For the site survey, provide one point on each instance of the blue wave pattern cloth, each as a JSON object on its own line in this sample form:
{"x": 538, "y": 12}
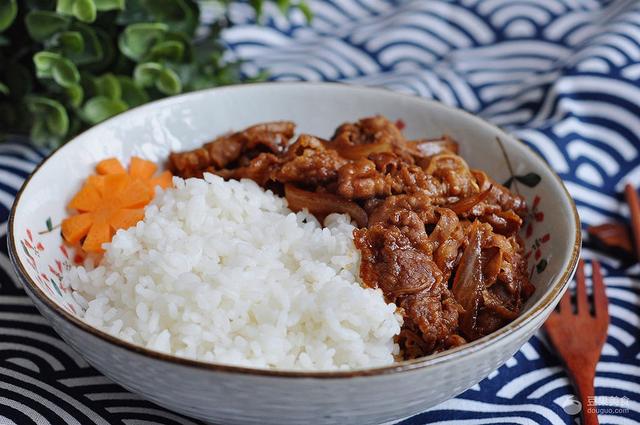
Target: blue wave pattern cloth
{"x": 562, "y": 75}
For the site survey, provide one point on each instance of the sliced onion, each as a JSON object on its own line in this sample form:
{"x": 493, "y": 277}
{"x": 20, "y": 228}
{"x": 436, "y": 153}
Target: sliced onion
{"x": 467, "y": 203}
{"x": 491, "y": 264}
{"x": 448, "y": 161}
{"x": 323, "y": 204}
{"x": 468, "y": 282}
{"x": 363, "y": 151}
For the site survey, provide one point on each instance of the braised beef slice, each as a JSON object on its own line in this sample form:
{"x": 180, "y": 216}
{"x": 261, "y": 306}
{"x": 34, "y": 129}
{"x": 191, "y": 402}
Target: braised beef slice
{"x": 384, "y": 175}
{"x": 438, "y": 238}
{"x": 260, "y": 169}
{"x": 412, "y": 268}
{"x": 218, "y": 154}
{"x": 308, "y": 163}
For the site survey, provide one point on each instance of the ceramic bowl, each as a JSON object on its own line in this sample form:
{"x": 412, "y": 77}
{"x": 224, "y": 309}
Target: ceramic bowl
{"x": 226, "y": 394}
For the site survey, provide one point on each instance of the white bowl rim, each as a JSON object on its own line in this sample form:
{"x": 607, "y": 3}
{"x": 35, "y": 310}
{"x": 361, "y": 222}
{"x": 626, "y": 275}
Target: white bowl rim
{"x": 555, "y": 290}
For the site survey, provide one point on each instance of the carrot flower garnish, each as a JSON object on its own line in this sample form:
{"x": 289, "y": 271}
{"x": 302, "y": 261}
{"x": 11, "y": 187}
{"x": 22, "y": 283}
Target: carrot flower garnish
{"x": 111, "y": 200}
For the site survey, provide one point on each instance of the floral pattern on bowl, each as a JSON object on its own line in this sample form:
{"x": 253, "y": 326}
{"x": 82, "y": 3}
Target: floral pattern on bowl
{"x": 48, "y": 257}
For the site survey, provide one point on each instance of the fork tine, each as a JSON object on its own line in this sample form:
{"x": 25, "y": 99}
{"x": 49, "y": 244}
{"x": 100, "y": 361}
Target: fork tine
{"x": 600, "y": 302}
{"x": 581, "y": 290}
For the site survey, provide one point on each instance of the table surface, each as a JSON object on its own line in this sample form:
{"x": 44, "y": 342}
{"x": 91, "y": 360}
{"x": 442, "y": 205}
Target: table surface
{"x": 562, "y": 75}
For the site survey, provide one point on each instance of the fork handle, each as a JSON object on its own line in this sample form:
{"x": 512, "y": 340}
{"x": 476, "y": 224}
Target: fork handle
{"x": 583, "y": 380}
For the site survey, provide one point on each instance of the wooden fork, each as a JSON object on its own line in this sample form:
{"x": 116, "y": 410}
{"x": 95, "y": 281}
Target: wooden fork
{"x": 578, "y": 337}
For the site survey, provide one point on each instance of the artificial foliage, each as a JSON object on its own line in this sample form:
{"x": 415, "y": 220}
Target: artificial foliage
{"x": 68, "y": 64}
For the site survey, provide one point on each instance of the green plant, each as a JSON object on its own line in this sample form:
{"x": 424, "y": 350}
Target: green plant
{"x": 68, "y": 64}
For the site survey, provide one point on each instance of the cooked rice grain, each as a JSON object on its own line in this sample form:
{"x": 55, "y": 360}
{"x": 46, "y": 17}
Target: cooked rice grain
{"x": 224, "y": 272}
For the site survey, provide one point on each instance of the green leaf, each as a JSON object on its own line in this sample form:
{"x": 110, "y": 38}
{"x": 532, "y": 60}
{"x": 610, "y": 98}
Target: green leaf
{"x": 530, "y": 179}
{"x": 84, "y": 10}
{"x": 179, "y": 15}
{"x": 185, "y": 40}
{"x": 44, "y": 62}
{"x": 306, "y": 11}
{"x": 108, "y": 52}
{"x": 65, "y": 73}
{"x": 133, "y": 13}
{"x": 3, "y": 88}
{"x": 42, "y": 24}
{"x": 168, "y": 82}
{"x": 137, "y": 39}
{"x": 65, "y": 7}
{"x": 49, "y": 224}
{"x": 508, "y": 183}
{"x": 57, "y": 122}
{"x": 100, "y": 108}
{"x": 51, "y": 113}
{"x": 132, "y": 95}
{"x": 62, "y": 70}
{"x": 8, "y": 12}
{"x": 146, "y": 74}
{"x": 104, "y": 5}
{"x": 284, "y": 6}
{"x": 71, "y": 42}
{"x": 171, "y": 51}
{"x": 75, "y": 94}
{"x": 541, "y": 266}
{"x": 166, "y": 10}
{"x": 39, "y": 133}
{"x": 258, "y": 5}
{"x": 108, "y": 86}
{"x": 93, "y": 51}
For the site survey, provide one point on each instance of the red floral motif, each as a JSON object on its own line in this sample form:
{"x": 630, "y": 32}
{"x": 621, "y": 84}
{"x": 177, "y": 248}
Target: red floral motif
{"x": 536, "y": 248}
{"x": 51, "y": 281}
{"x": 533, "y": 216}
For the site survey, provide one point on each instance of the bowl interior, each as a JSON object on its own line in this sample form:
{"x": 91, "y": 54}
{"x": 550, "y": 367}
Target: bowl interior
{"x": 551, "y": 232}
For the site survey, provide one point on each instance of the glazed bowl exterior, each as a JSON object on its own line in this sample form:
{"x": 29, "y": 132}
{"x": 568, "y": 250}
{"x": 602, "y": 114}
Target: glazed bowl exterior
{"x": 227, "y": 394}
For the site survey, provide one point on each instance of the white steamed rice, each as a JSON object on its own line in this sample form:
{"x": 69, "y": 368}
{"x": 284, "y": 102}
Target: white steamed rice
{"x": 224, "y": 272}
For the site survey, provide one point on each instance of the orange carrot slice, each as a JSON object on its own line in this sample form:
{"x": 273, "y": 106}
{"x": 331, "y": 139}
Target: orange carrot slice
{"x": 97, "y": 182}
{"x": 110, "y": 166}
{"x": 112, "y": 200}
{"x": 123, "y": 219}
{"x": 141, "y": 168}
{"x": 88, "y": 199}
{"x": 136, "y": 195}
{"x": 100, "y": 233}
{"x": 164, "y": 180}
{"x": 76, "y": 227}
{"x": 114, "y": 184}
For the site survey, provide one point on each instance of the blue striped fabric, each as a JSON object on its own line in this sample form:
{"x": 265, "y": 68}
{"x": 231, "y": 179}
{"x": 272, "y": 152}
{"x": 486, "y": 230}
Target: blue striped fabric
{"x": 562, "y": 75}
